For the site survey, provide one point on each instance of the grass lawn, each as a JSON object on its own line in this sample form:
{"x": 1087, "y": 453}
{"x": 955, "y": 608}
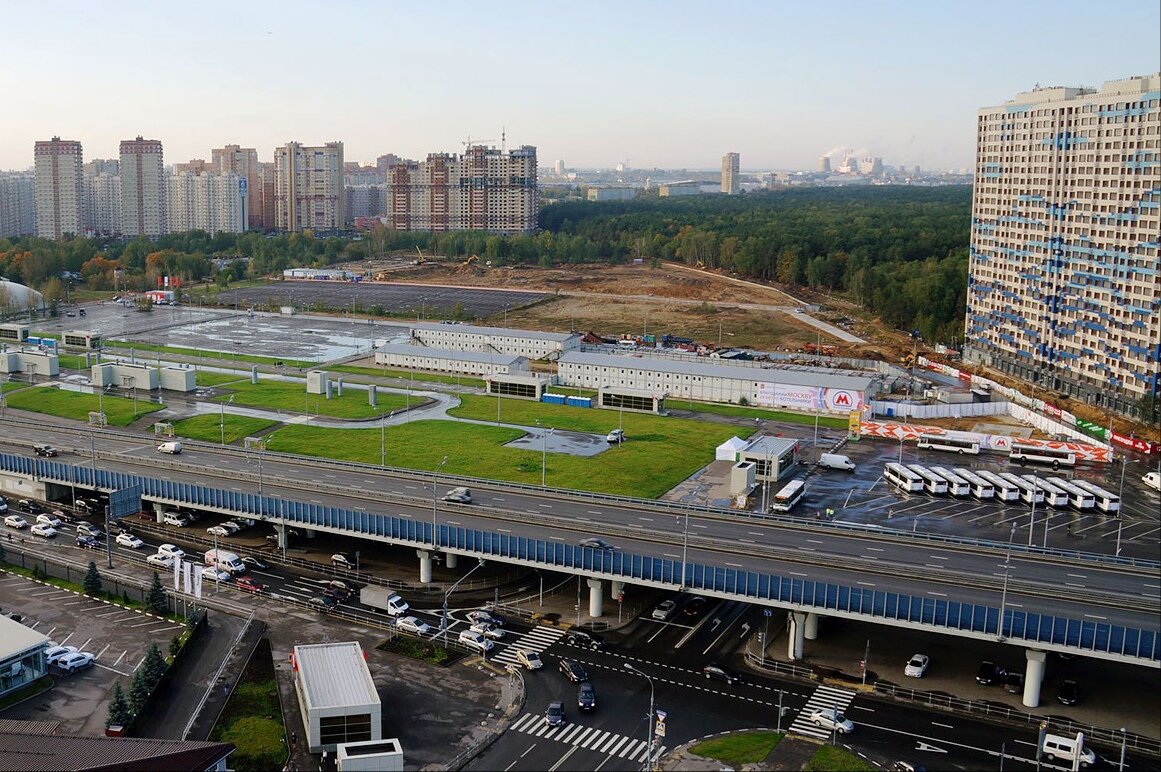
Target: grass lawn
{"x": 291, "y": 397}
{"x": 8, "y": 386}
{"x": 831, "y": 759}
{"x": 738, "y": 749}
{"x": 208, "y": 428}
{"x": 77, "y": 405}
{"x": 380, "y": 372}
{"x": 71, "y": 362}
{"x": 758, "y": 412}
{"x": 207, "y": 378}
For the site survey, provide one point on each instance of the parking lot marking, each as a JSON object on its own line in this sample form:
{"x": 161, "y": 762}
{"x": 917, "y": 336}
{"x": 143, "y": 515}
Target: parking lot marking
{"x": 101, "y": 653}
{"x": 143, "y": 624}
{"x": 118, "y": 672}
{"x": 118, "y": 662}
{"x": 85, "y": 645}
{"x": 114, "y": 612}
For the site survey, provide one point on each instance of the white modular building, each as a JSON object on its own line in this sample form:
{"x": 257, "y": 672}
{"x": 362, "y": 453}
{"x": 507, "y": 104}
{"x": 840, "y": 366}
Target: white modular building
{"x": 336, "y": 695}
{"x": 449, "y": 360}
{"x": 533, "y": 344}
{"x": 21, "y": 655}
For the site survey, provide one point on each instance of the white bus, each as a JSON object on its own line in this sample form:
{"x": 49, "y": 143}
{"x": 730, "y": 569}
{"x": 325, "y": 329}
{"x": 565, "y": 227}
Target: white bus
{"x": 932, "y": 483}
{"x": 1042, "y": 454}
{"x": 1030, "y": 492}
{"x": 950, "y": 444}
{"x": 791, "y": 494}
{"x": 902, "y": 477}
{"x": 1006, "y": 490}
{"x": 1053, "y": 495}
{"x": 1078, "y": 497}
{"x": 1109, "y": 503}
{"x": 981, "y": 488}
{"x": 956, "y": 485}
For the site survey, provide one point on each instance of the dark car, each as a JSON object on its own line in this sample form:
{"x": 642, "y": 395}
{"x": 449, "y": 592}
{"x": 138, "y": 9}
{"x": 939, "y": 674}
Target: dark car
{"x": 716, "y": 672}
{"x": 254, "y": 564}
{"x": 1069, "y": 693}
{"x": 578, "y": 636}
{"x": 988, "y": 674}
{"x": 573, "y": 671}
{"x": 554, "y": 716}
{"x": 1014, "y": 683}
{"x": 31, "y": 507}
{"x": 88, "y": 542}
{"x": 48, "y": 451}
{"x": 586, "y": 696}
{"x": 323, "y": 601}
{"x": 694, "y": 607}
{"x": 339, "y": 593}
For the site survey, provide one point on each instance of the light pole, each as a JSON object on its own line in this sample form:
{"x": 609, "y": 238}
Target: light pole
{"x": 1124, "y": 742}
{"x": 222, "y": 422}
{"x": 434, "y": 500}
{"x": 684, "y": 548}
{"x": 383, "y": 439}
{"x": 1120, "y": 498}
{"x": 1036, "y": 490}
{"x": 650, "y": 717}
{"x": 446, "y": 595}
{"x": 544, "y": 457}
{"x": 262, "y": 452}
{"x": 1004, "y": 594}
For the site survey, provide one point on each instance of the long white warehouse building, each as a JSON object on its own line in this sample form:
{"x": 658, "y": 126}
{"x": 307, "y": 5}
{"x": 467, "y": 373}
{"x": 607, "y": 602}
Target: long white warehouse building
{"x": 533, "y": 344}
{"x": 450, "y": 361}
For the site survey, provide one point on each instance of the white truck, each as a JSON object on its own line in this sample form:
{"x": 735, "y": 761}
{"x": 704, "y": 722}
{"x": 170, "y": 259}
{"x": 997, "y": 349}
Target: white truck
{"x": 1153, "y": 480}
{"x": 225, "y": 561}
{"x": 836, "y": 461}
{"x": 383, "y": 599}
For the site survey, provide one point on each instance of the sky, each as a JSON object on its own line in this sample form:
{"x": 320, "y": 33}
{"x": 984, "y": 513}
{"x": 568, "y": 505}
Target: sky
{"x": 668, "y": 84}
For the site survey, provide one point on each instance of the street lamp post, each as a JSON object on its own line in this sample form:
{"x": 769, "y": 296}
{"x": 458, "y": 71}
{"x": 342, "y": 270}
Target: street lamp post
{"x": 1004, "y": 594}
{"x": 446, "y": 595}
{"x": 650, "y": 717}
{"x": 1120, "y": 497}
{"x": 684, "y": 548}
{"x": 222, "y": 422}
{"x": 434, "y": 500}
{"x": 262, "y": 452}
{"x": 544, "y": 457}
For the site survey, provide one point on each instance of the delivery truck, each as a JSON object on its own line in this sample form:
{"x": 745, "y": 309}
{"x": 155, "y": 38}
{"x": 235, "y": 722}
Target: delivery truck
{"x": 225, "y": 561}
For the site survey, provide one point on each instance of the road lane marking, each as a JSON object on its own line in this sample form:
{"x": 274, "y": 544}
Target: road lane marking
{"x": 1096, "y": 616}
{"x": 563, "y": 759}
{"x": 945, "y": 726}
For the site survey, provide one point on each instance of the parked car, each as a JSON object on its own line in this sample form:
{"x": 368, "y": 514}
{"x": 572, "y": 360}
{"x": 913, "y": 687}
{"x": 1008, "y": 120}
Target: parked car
{"x": 413, "y": 625}
{"x": 3, "y": 504}
{"x": 597, "y": 544}
{"x": 77, "y": 661}
{"x": 917, "y": 666}
{"x": 573, "y": 671}
{"x": 160, "y": 560}
{"x": 481, "y": 615}
{"x": 31, "y": 507}
{"x": 554, "y": 716}
{"x": 487, "y": 630}
{"x": 87, "y": 542}
{"x": 529, "y": 659}
{"x": 217, "y": 530}
{"x": 42, "y": 529}
{"x": 232, "y": 526}
{"x": 578, "y": 636}
{"x": 342, "y": 560}
{"x": 694, "y": 607}
{"x": 988, "y": 673}
{"x": 615, "y": 437}
{"x": 1014, "y": 683}
{"x": 15, "y": 521}
{"x": 53, "y": 654}
{"x": 474, "y": 640}
{"x": 831, "y": 719}
{"x": 174, "y": 551}
{"x": 324, "y": 602}
{"x": 1069, "y": 693}
{"x": 255, "y": 564}
{"x": 48, "y": 451}
{"x": 715, "y": 672}
{"x": 664, "y": 610}
{"x": 130, "y": 541}
{"x": 47, "y": 519}
{"x": 586, "y": 696}
{"x": 248, "y": 584}
{"x": 176, "y": 519}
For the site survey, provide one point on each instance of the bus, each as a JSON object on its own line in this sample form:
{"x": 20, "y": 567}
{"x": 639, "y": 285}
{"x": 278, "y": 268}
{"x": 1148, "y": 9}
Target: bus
{"x": 1053, "y": 495}
{"x": 981, "y": 488}
{"x": 956, "y": 485}
{"x": 1005, "y": 490}
{"x": 791, "y": 494}
{"x": 1078, "y": 497}
{"x": 1109, "y": 503}
{"x": 1030, "y": 493}
{"x": 950, "y": 444}
{"x": 932, "y": 483}
{"x": 902, "y": 477}
{"x": 1041, "y": 454}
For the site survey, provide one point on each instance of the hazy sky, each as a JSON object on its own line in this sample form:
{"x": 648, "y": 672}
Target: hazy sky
{"x": 594, "y": 83}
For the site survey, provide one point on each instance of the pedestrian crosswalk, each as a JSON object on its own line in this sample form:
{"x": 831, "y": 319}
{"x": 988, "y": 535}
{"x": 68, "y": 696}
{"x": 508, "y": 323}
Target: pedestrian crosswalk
{"x": 823, "y": 697}
{"x": 587, "y": 737}
{"x": 539, "y": 639}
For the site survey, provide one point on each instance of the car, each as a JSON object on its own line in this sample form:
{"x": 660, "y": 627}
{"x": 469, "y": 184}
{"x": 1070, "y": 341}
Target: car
{"x": 130, "y": 541}
{"x": 42, "y": 529}
{"x": 694, "y": 607}
{"x": 474, "y": 640}
{"x": 907, "y": 766}
{"x": 480, "y": 615}
{"x": 232, "y": 526}
{"x": 715, "y": 672}
{"x": 1014, "y": 683}
{"x": 487, "y": 630}
{"x": 88, "y": 529}
{"x": 48, "y": 451}
{"x": 31, "y": 507}
{"x": 217, "y": 530}
{"x": 459, "y": 496}
{"x": 255, "y": 564}
{"x": 174, "y": 551}
{"x": 70, "y": 313}
{"x": 573, "y": 671}
{"x": 325, "y": 602}
{"x": 61, "y": 515}
{"x": 664, "y": 610}
{"x": 212, "y": 574}
{"x": 87, "y": 542}
{"x": 597, "y": 544}
{"x": 160, "y": 560}
{"x": 829, "y": 718}
{"x": 176, "y": 519}
{"x": 529, "y": 659}
{"x": 15, "y": 521}
{"x": 917, "y": 666}
{"x": 82, "y": 506}
{"x": 71, "y": 663}
{"x": 342, "y": 560}
{"x": 615, "y": 437}
{"x": 248, "y": 584}
{"x": 53, "y": 654}
{"x": 554, "y": 716}
{"x": 3, "y": 504}
{"x": 46, "y": 519}
{"x": 413, "y": 625}
{"x": 578, "y": 636}
{"x": 81, "y": 311}
{"x": 586, "y": 696}
{"x": 339, "y": 592}
{"x": 1069, "y": 693}
{"x": 988, "y": 673}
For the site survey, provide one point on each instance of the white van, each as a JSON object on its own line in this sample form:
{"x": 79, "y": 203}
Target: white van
{"x": 836, "y": 461}
{"x": 176, "y": 519}
{"x": 225, "y": 561}
{"x": 459, "y": 496}
{"x": 1068, "y": 748}
{"x": 172, "y": 448}
{"x": 1153, "y": 480}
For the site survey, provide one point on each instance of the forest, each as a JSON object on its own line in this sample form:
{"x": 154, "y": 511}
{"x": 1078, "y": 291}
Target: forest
{"x": 899, "y": 252}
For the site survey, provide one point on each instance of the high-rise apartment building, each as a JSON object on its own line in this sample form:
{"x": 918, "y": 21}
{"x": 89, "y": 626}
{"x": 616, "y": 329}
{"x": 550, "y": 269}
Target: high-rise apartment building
{"x": 1063, "y": 285}
{"x": 263, "y": 200}
{"x": 142, "y": 188}
{"x": 59, "y": 190}
{"x": 483, "y": 189}
{"x": 730, "y": 165}
{"x": 210, "y": 202}
{"x": 243, "y": 161}
{"x": 103, "y": 200}
{"x": 17, "y": 204}
{"x": 308, "y": 187}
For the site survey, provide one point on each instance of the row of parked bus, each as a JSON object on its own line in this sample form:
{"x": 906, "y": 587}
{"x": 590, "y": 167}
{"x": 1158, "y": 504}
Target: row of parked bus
{"x": 1004, "y": 487}
{"x": 1021, "y": 453}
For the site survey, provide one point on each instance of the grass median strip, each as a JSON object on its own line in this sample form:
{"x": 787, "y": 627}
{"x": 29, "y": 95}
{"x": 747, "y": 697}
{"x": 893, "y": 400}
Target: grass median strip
{"x": 291, "y": 397}
{"x": 77, "y": 405}
{"x": 210, "y": 428}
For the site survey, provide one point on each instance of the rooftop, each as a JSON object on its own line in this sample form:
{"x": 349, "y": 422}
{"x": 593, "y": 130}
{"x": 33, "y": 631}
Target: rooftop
{"x": 15, "y": 638}
{"x": 457, "y": 355}
{"x": 335, "y": 675}
{"x": 502, "y": 332}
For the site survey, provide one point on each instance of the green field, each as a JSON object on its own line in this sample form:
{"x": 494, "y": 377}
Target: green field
{"x": 831, "y": 759}
{"x": 71, "y": 362}
{"x": 119, "y": 411}
{"x": 8, "y": 386}
{"x": 209, "y": 427}
{"x": 291, "y": 397}
{"x": 207, "y": 378}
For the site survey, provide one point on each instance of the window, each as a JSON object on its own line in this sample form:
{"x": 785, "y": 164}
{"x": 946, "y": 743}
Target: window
{"x": 342, "y": 729}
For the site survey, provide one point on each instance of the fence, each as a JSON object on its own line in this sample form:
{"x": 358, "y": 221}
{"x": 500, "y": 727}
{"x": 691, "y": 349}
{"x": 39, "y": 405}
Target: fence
{"x": 909, "y": 410}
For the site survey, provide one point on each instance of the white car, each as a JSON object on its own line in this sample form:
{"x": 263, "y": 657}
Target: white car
{"x": 52, "y": 520}
{"x": 474, "y": 640}
{"x": 217, "y": 530}
{"x": 47, "y": 531}
{"x": 15, "y": 521}
{"x": 130, "y": 541}
{"x": 413, "y": 625}
{"x": 615, "y": 437}
{"x": 232, "y": 526}
{"x": 76, "y": 661}
{"x": 211, "y": 574}
{"x": 916, "y": 666}
{"x": 487, "y": 630}
{"x": 172, "y": 550}
{"x": 829, "y": 718}
{"x": 664, "y": 610}
{"x": 158, "y": 559}
{"x": 529, "y": 659}
{"x": 53, "y": 654}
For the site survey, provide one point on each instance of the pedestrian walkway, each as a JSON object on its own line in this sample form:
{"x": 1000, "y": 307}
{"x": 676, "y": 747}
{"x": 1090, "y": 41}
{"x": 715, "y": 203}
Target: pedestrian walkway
{"x": 823, "y": 697}
{"x": 587, "y": 737}
{"x": 538, "y": 640}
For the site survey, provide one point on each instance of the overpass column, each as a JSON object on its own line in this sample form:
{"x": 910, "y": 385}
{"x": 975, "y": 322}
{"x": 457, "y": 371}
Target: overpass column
{"x": 1033, "y": 677}
{"x": 596, "y": 598}
{"x": 811, "y": 629}
{"x": 424, "y": 566}
{"x": 450, "y": 559}
{"x": 796, "y": 620}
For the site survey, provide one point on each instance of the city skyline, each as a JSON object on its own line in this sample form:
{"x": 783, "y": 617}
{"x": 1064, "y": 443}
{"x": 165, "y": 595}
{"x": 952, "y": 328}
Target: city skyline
{"x": 673, "y": 85}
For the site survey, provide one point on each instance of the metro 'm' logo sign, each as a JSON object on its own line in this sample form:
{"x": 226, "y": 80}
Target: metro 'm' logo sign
{"x": 842, "y": 399}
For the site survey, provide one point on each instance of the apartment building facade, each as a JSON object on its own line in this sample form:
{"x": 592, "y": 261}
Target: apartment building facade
{"x": 210, "y": 202}
{"x": 59, "y": 188}
{"x": 143, "y": 188}
{"x": 17, "y": 204}
{"x": 1063, "y": 278}
{"x": 308, "y": 187}
{"x": 243, "y": 162}
{"x": 731, "y": 163}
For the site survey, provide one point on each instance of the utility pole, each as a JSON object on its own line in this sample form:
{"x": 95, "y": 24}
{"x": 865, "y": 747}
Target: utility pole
{"x": 866, "y": 657}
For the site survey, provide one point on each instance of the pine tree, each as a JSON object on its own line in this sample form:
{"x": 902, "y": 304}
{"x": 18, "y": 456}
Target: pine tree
{"x": 138, "y": 691}
{"x": 93, "y": 580}
{"x": 156, "y": 598}
{"x": 153, "y": 666}
{"x": 119, "y": 712}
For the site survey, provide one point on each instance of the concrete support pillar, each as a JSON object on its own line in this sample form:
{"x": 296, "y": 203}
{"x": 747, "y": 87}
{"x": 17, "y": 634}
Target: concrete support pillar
{"x": 340, "y": 387}
{"x": 372, "y": 396}
{"x": 451, "y": 559}
{"x": 616, "y": 588}
{"x": 424, "y": 566}
{"x": 811, "y": 630}
{"x": 796, "y": 621}
{"x": 254, "y": 374}
{"x": 596, "y": 598}
{"x": 1033, "y": 677}
{"x": 280, "y": 530}
{"x": 329, "y": 390}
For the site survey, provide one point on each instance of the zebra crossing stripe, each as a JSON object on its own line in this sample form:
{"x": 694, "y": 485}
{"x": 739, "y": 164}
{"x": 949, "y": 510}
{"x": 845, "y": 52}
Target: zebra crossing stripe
{"x": 599, "y": 740}
{"x": 822, "y": 697}
{"x": 583, "y": 736}
{"x": 522, "y": 722}
{"x": 631, "y": 748}
{"x": 617, "y": 747}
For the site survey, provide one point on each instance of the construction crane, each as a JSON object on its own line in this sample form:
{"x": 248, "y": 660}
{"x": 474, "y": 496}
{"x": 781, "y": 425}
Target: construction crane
{"x": 468, "y": 143}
